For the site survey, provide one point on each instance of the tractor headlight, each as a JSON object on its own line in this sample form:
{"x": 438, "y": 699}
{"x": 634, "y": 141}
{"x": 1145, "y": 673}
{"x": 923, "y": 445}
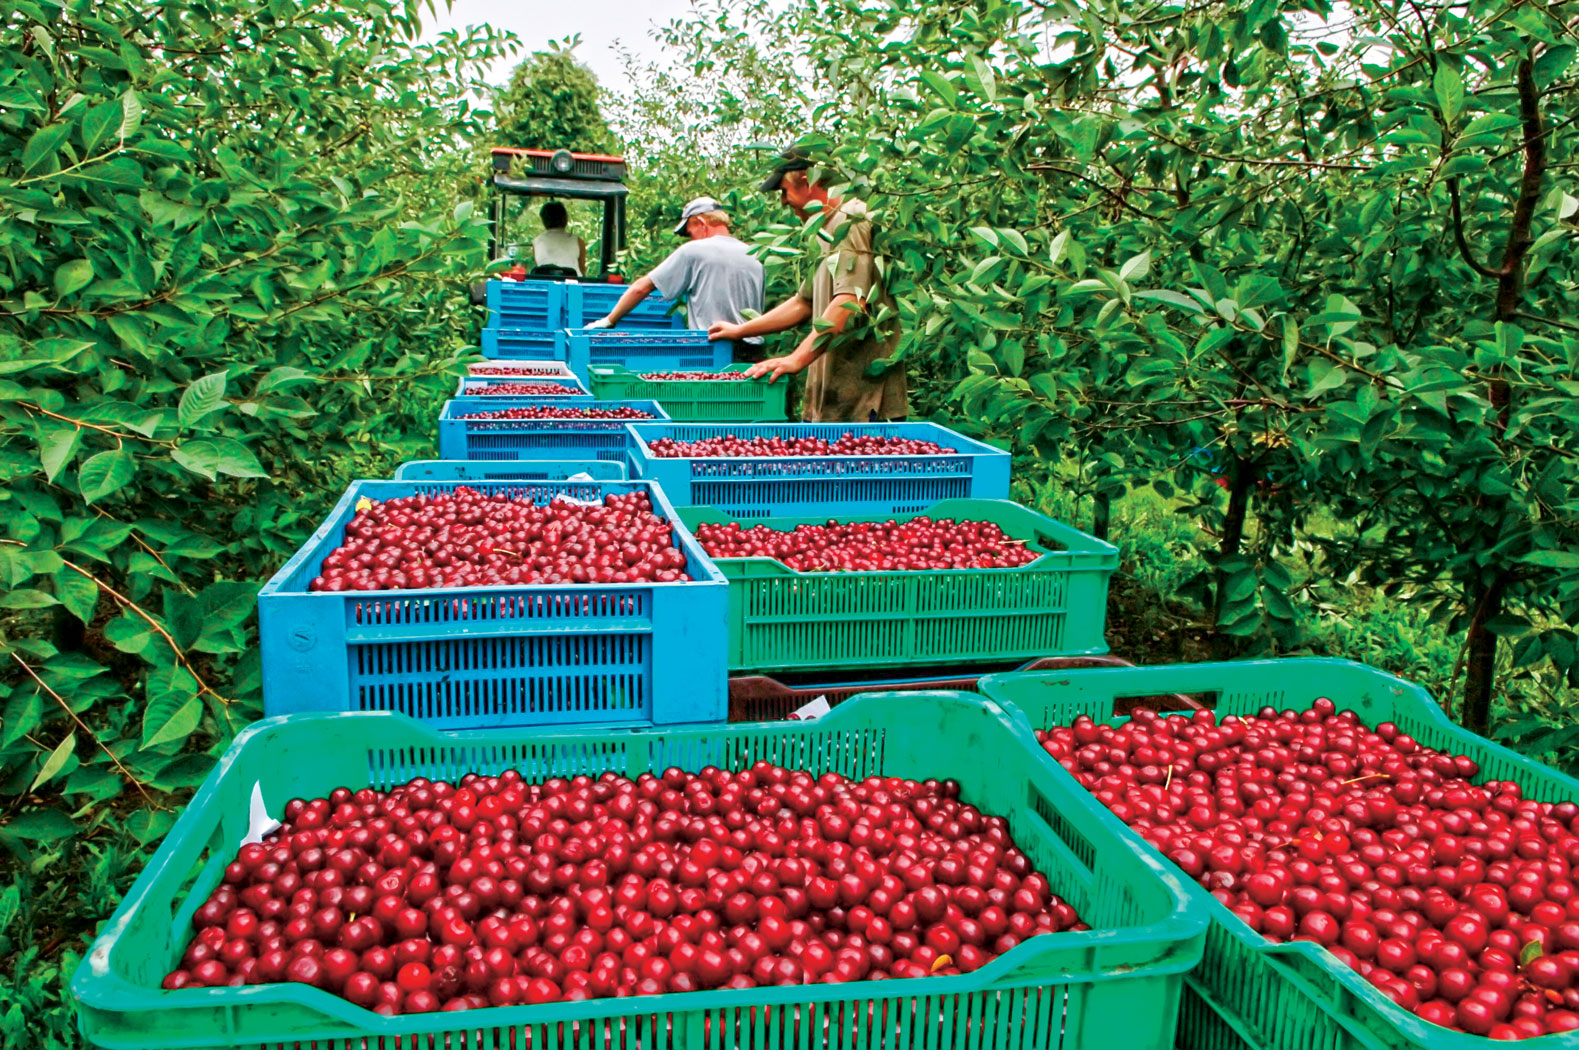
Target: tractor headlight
{"x": 562, "y": 162}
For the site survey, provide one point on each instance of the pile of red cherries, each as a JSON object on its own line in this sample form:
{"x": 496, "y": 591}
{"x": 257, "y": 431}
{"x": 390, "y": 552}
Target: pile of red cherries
{"x": 498, "y": 892}
{"x": 1459, "y": 902}
{"x": 847, "y": 444}
{"x": 465, "y": 538}
{"x": 867, "y": 546}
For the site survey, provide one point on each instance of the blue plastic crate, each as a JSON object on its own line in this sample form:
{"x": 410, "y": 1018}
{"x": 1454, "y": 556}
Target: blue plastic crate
{"x": 585, "y": 303}
{"x": 532, "y": 371}
{"x": 535, "y": 305}
{"x": 508, "y": 439}
{"x": 516, "y": 344}
{"x": 508, "y": 470}
{"x": 638, "y": 351}
{"x": 763, "y": 487}
{"x": 479, "y": 657}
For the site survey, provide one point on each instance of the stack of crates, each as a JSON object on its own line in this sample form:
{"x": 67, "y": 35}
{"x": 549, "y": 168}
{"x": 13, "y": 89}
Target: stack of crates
{"x": 914, "y": 674}
{"x": 522, "y": 319}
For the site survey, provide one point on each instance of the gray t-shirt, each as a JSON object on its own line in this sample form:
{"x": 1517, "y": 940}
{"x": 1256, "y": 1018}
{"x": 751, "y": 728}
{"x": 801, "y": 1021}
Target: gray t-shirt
{"x": 718, "y": 277}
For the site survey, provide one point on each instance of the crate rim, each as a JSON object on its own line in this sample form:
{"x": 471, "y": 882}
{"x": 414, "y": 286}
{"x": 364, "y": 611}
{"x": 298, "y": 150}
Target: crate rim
{"x": 1099, "y": 555}
{"x": 453, "y": 406}
{"x": 545, "y": 461}
{"x": 521, "y": 362}
{"x": 980, "y": 448}
{"x": 622, "y": 373}
{"x": 1409, "y": 1023}
{"x": 92, "y": 982}
{"x": 684, "y": 540}
{"x": 576, "y": 386}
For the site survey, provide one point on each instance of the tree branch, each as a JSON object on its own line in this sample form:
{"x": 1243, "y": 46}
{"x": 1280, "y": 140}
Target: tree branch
{"x": 131, "y": 778}
{"x": 1458, "y": 232}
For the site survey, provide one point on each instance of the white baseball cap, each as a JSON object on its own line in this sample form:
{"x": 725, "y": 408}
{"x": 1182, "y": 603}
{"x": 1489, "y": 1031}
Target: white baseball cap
{"x": 700, "y": 206}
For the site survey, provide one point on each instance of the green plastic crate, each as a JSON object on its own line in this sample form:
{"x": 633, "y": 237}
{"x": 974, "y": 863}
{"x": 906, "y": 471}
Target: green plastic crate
{"x": 1248, "y": 993}
{"x": 752, "y": 401}
{"x": 783, "y": 620}
{"x": 1115, "y": 985}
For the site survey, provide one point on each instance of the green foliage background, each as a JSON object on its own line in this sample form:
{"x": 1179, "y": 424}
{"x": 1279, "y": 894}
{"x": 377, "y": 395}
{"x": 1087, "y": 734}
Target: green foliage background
{"x": 230, "y": 263}
{"x": 1274, "y": 293}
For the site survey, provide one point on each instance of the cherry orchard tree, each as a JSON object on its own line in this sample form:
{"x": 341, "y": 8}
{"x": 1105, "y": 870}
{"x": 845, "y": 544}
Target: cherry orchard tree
{"x": 231, "y": 279}
{"x": 1300, "y": 269}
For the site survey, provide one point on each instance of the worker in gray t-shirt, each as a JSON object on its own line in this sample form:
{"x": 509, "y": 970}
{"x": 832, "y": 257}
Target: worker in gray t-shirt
{"x": 716, "y": 274}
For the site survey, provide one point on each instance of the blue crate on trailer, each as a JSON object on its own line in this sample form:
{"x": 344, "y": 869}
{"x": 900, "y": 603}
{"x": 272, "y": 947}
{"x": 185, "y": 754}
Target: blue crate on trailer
{"x": 805, "y": 485}
{"x": 509, "y": 439}
{"x": 585, "y": 303}
{"x": 639, "y": 351}
{"x": 479, "y": 657}
{"x": 535, "y": 305}
{"x": 517, "y": 344}
{"x": 508, "y": 470}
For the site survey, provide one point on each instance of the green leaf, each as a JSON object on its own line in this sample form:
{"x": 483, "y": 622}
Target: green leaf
{"x": 99, "y": 123}
{"x": 986, "y": 235}
{"x": 56, "y": 761}
{"x": 1552, "y": 559}
{"x": 1290, "y": 342}
{"x": 27, "y": 598}
{"x": 1449, "y": 90}
{"x": 10, "y": 906}
{"x": 284, "y": 375}
{"x": 1530, "y": 953}
{"x": 172, "y": 716}
{"x": 42, "y": 145}
{"x": 980, "y": 77}
{"x": 40, "y": 825}
{"x": 72, "y": 275}
{"x": 1135, "y": 268}
{"x": 23, "y": 713}
{"x": 56, "y": 447}
{"x": 105, "y": 473}
{"x": 146, "y": 825}
{"x": 77, "y": 593}
{"x": 205, "y": 395}
{"x": 237, "y": 460}
{"x": 1014, "y": 357}
{"x": 131, "y": 115}
{"x": 941, "y": 87}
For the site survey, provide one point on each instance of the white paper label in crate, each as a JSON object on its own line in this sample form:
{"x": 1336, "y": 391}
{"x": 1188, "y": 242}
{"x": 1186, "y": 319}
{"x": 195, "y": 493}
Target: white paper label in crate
{"x": 816, "y": 709}
{"x": 259, "y": 823}
{"x": 583, "y": 476}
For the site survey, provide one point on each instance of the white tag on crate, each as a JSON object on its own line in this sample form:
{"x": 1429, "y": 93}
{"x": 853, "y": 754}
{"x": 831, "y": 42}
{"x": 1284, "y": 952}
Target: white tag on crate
{"x": 816, "y": 709}
{"x": 583, "y": 476}
{"x": 259, "y": 823}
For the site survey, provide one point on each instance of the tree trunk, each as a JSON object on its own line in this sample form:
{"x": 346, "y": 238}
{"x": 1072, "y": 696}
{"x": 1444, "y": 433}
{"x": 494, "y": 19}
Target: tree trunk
{"x": 1480, "y": 660}
{"x": 1241, "y": 487}
{"x": 1101, "y": 514}
{"x": 1485, "y": 600}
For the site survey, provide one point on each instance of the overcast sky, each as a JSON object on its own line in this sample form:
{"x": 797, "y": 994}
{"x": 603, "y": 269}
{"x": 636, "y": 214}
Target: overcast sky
{"x": 601, "y": 24}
